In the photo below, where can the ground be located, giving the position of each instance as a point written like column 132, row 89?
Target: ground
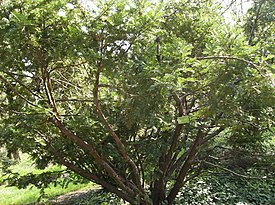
column 75, row 197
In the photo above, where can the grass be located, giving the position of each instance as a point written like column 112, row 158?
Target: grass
column 15, row 196
column 26, row 166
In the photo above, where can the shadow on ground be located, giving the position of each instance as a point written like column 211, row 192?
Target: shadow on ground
column 76, row 197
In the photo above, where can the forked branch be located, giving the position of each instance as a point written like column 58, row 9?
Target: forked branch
column 80, row 142
column 185, row 167
column 120, row 145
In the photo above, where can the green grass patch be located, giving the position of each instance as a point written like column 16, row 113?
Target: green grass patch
column 26, row 166
column 15, row 196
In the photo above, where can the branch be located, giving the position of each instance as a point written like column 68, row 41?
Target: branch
column 178, row 129
column 80, row 142
column 141, row 168
column 67, row 66
column 120, row 145
column 73, row 100
column 21, row 113
column 182, row 111
column 232, row 172
column 190, row 106
column 231, row 58
column 185, row 168
column 197, row 173
column 212, row 135
column 88, row 148
column 22, row 84
column 18, row 74
column 67, row 82
column 179, row 104
column 92, row 152
column 90, row 176
column 255, row 22
column 48, row 88
column 17, row 93
column 165, row 158
column 80, row 171
column 179, row 161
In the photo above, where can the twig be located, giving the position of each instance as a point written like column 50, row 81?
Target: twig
column 22, row 84
column 230, row 171
column 17, row 93
column 228, row 7
column 231, row 58
column 73, row 100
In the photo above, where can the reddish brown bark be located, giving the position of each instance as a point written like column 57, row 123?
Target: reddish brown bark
column 88, row 175
column 185, row 168
column 120, row 145
column 81, row 143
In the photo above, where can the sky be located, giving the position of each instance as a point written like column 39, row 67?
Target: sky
column 238, row 8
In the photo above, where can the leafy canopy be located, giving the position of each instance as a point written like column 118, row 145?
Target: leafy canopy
column 132, row 95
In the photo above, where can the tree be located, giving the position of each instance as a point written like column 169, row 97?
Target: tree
column 130, row 95
column 259, row 27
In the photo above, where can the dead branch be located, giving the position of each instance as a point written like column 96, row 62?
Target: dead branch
column 230, row 171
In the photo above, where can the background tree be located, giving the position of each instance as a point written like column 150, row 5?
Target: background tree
column 131, row 95
column 259, row 27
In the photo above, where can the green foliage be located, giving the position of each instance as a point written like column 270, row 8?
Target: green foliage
column 259, row 28
column 212, row 189
column 129, row 93
column 102, row 197
column 228, row 189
